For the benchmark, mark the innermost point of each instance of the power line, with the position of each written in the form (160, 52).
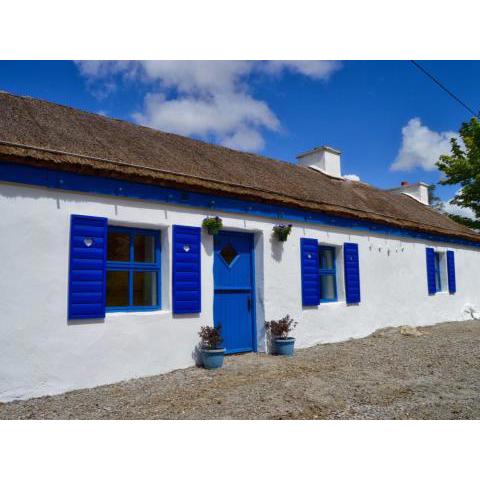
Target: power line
(428, 74)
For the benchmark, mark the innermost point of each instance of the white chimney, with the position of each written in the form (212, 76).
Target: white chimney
(418, 191)
(324, 158)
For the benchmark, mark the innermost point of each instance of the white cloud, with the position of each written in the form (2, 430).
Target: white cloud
(222, 115)
(352, 177)
(202, 98)
(246, 139)
(421, 147)
(316, 69)
(200, 77)
(449, 207)
(94, 69)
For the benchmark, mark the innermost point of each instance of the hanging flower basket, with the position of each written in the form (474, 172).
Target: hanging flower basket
(212, 224)
(282, 232)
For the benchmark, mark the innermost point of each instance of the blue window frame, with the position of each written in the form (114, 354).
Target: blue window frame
(328, 274)
(133, 269)
(438, 272)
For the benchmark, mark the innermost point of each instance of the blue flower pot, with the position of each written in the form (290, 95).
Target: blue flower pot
(284, 346)
(213, 358)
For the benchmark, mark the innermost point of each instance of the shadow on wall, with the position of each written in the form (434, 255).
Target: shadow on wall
(207, 243)
(197, 356)
(269, 344)
(87, 321)
(276, 248)
(20, 190)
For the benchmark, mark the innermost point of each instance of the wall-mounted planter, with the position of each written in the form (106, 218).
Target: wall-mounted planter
(281, 232)
(212, 224)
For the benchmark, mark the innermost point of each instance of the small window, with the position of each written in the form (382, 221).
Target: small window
(133, 269)
(440, 263)
(438, 272)
(228, 253)
(328, 273)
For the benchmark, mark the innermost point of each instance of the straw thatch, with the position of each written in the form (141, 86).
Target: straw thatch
(45, 134)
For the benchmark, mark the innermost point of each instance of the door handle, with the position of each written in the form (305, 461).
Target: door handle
(249, 303)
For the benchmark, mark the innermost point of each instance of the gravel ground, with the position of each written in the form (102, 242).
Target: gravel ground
(429, 373)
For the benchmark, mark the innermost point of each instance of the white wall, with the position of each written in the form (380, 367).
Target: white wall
(42, 353)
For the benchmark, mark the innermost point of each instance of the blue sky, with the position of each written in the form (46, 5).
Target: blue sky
(378, 113)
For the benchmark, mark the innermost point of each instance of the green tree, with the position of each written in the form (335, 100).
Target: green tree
(433, 199)
(462, 167)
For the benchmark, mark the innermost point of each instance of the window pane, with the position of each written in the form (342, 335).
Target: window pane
(438, 281)
(118, 247)
(145, 288)
(327, 258)
(144, 248)
(327, 287)
(117, 289)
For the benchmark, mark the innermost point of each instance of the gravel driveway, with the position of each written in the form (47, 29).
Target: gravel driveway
(389, 375)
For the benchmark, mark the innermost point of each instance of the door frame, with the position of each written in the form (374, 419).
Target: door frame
(253, 285)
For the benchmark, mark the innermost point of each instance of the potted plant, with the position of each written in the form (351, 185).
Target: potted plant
(212, 224)
(282, 232)
(211, 352)
(279, 331)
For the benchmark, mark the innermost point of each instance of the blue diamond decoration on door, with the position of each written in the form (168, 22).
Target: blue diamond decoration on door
(228, 253)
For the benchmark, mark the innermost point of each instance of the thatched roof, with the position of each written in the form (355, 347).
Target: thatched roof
(46, 134)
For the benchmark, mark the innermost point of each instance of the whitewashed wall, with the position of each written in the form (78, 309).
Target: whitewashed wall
(41, 353)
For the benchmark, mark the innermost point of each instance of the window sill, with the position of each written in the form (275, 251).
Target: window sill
(332, 302)
(138, 313)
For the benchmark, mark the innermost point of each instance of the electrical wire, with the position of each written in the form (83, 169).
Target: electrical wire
(443, 87)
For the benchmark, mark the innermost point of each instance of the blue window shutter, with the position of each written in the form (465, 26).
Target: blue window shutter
(352, 272)
(431, 271)
(452, 284)
(310, 272)
(87, 276)
(186, 269)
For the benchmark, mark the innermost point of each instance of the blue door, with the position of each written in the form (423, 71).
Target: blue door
(233, 304)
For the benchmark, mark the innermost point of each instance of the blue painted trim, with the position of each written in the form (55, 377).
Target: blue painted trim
(438, 273)
(132, 266)
(452, 283)
(238, 350)
(155, 308)
(254, 293)
(79, 276)
(351, 264)
(186, 293)
(250, 289)
(310, 273)
(430, 262)
(57, 179)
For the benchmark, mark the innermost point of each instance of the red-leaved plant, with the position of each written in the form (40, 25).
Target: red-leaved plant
(281, 328)
(210, 337)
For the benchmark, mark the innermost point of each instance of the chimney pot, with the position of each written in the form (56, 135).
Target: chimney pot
(324, 158)
(418, 191)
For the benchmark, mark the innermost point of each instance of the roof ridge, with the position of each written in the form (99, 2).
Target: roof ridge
(188, 161)
(194, 140)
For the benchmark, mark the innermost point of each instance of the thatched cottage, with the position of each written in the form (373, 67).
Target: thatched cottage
(107, 273)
